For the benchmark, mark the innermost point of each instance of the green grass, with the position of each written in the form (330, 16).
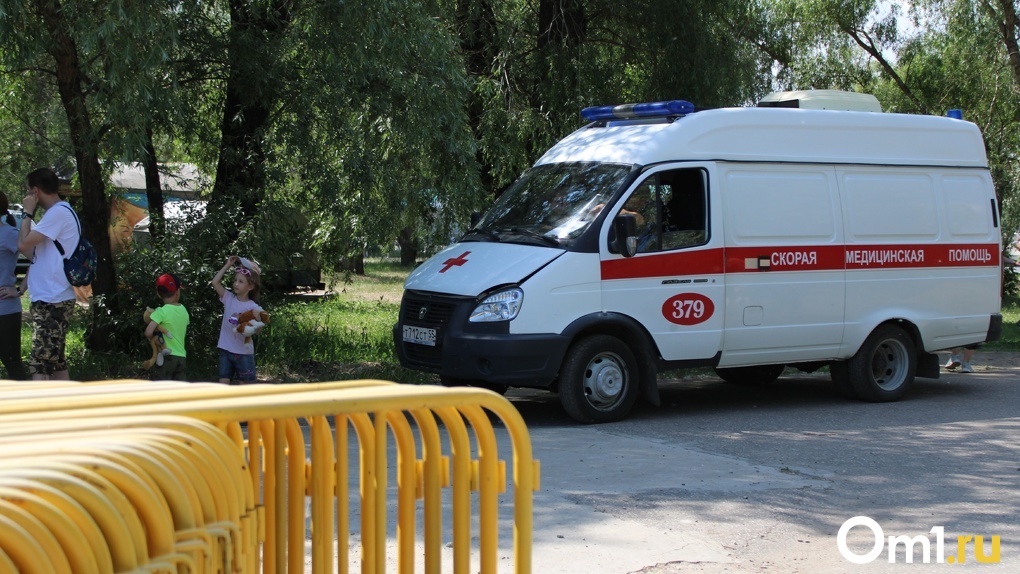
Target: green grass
(1010, 340)
(344, 335)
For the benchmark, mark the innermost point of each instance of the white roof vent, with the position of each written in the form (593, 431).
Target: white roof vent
(822, 100)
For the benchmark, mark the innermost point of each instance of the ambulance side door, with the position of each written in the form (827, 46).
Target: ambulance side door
(785, 264)
(674, 284)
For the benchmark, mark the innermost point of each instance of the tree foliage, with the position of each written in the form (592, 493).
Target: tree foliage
(333, 129)
(939, 55)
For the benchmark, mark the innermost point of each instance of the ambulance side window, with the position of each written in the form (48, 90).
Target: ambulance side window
(644, 206)
(671, 209)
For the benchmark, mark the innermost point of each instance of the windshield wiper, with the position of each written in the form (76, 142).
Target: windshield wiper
(545, 239)
(485, 234)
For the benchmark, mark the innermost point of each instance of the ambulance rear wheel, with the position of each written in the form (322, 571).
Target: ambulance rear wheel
(757, 376)
(883, 368)
(598, 380)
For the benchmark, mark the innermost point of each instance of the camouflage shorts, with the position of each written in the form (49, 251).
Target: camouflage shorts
(49, 334)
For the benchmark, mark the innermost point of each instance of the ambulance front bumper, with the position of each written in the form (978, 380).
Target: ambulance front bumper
(497, 358)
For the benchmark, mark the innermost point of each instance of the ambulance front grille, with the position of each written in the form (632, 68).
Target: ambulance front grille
(427, 313)
(430, 314)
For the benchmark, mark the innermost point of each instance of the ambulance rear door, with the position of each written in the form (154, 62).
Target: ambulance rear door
(673, 285)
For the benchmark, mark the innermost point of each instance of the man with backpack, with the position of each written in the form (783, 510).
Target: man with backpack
(52, 297)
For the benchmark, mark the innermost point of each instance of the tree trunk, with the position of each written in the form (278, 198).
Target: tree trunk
(1008, 21)
(358, 264)
(408, 247)
(250, 98)
(153, 192)
(95, 210)
(476, 26)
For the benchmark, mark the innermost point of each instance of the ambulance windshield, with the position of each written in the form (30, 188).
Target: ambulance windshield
(551, 204)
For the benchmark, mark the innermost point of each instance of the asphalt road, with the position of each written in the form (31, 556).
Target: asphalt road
(738, 480)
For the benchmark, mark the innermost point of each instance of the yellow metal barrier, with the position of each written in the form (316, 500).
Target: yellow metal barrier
(135, 490)
(203, 488)
(282, 469)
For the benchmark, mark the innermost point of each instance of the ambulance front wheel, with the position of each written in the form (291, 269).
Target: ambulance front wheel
(598, 380)
(883, 368)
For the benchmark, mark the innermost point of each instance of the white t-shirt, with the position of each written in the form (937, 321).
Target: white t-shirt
(46, 279)
(230, 340)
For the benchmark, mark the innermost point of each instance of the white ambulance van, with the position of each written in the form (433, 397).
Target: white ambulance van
(660, 237)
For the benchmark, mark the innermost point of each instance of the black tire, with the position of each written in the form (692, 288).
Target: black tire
(598, 380)
(883, 368)
(756, 376)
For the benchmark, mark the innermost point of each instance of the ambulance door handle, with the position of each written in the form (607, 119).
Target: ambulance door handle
(683, 281)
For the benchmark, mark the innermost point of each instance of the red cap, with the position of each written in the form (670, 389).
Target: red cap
(167, 284)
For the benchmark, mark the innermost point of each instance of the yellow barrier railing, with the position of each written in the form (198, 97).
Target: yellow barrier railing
(285, 468)
(148, 501)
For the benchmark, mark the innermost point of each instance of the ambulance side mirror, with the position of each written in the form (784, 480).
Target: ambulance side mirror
(476, 216)
(625, 231)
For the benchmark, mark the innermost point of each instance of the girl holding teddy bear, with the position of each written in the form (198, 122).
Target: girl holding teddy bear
(236, 349)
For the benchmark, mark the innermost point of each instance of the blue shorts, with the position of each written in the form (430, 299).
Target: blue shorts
(235, 366)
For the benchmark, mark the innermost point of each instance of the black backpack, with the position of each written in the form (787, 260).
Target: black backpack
(80, 266)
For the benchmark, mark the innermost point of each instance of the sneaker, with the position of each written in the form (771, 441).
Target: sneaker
(966, 368)
(159, 359)
(954, 361)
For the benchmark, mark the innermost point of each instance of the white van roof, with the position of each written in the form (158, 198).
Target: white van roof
(779, 135)
(822, 100)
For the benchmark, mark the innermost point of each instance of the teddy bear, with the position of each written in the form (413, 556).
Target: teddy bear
(158, 342)
(248, 322)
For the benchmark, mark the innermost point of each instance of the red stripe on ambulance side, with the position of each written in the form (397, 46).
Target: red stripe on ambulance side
(793, 258)
(802, 258)
(671, 264)
(914, 256)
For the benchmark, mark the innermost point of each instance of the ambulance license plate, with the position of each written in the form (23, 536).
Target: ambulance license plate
(420, 335)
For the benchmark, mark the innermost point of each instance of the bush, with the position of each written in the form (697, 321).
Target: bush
(194, 255)
(322, 340)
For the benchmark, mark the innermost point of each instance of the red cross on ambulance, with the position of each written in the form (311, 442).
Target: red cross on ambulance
(455, 261)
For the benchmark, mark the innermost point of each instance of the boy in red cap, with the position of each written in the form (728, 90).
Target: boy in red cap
(174, 317)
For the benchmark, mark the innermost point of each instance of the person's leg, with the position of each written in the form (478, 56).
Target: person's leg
(62, 316)
(35, 314)
(159, 372)
(174, 368)
(10, 346)
(966, 357)
(226, 367)
(955, 358)
(246, 369)
(40, 359)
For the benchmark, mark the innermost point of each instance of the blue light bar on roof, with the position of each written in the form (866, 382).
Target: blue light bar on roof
(632, 111)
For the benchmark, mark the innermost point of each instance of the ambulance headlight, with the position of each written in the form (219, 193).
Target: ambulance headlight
(502, 306)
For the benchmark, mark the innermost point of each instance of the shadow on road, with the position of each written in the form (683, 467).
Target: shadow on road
(930, 401)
